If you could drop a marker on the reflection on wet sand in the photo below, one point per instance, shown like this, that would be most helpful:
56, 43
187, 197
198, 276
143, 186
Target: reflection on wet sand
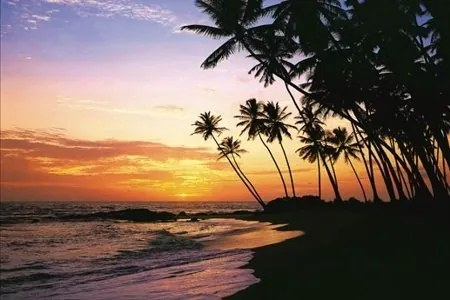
258, 235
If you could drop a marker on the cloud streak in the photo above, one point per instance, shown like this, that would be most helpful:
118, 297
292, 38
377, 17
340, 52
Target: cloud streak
119, 8
31, 14
105, 107
49, 162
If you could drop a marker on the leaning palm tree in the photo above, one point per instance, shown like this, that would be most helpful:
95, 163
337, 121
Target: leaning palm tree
344, 144
231, 19
232, 147
275, 128
250, 116
237, 22
207, 126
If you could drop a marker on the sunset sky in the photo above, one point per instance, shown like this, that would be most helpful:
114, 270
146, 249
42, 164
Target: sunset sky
98, 98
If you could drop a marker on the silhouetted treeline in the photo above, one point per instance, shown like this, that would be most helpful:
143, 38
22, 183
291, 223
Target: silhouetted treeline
382, 65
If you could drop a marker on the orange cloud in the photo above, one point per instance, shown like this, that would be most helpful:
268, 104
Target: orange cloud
49, 165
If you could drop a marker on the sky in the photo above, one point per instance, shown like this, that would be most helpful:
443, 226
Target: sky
98, 98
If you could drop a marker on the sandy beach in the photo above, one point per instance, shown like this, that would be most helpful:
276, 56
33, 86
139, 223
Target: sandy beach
364, 254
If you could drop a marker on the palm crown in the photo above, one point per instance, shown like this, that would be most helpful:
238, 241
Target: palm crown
250, 116
230, 146
274, 118
231, 19
344, 144
208, 125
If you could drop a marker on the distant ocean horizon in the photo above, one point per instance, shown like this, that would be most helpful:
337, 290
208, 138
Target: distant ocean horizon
47, 256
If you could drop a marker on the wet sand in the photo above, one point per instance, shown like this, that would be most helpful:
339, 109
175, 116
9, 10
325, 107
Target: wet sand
258, 235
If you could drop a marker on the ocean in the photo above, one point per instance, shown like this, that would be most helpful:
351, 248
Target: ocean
45, 256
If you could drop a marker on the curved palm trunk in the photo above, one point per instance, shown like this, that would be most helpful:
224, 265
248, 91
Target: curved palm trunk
333, 184
399, 172
293, 100
375, 196
276, 165
439, 190
384, 173
443, 143
359, 180
248, 180
413, 173
394, 175
418, 184
238, 174
289, 168
444, 169
318, 175
334, 171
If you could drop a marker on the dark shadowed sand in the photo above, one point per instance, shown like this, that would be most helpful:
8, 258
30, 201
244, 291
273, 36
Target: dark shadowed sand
354, 254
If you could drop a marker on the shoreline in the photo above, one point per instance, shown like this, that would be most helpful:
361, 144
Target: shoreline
365, 254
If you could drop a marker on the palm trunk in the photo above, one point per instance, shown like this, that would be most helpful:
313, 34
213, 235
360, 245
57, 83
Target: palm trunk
421, 189
334, 171
289, 168
413, 185
375, 196
239, 175
444, 167
382, 167
390, 169
333, 184
318, 175
276, 165
399, 172
419, 179
439, 190
377, 199
359, 181
443, 143
245, 177
293, 100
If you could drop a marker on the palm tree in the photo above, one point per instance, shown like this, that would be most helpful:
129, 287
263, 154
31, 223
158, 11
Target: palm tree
348, 57
233, 20
312, 150
275, 128
250, 116
316, 148
345, 145
232, 147
207, 126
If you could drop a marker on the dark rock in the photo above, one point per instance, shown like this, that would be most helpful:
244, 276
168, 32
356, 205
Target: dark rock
136, 215
194, 219
242, 212
292, 204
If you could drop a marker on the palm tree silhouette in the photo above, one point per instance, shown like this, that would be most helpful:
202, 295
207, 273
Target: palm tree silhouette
233, 19
345, 145
312, 150
317, 148
275, 128
207, 126
353, 67
250, 116
232, 147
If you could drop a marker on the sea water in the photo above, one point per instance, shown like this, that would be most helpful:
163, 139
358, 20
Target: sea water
45, 256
